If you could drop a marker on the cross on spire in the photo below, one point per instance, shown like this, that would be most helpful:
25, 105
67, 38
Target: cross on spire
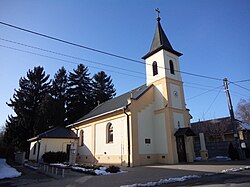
158, 14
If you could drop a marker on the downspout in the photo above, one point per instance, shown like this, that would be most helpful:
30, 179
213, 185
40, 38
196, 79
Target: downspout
128, 134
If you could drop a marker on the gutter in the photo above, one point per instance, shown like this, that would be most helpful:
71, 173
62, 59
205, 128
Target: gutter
128, 133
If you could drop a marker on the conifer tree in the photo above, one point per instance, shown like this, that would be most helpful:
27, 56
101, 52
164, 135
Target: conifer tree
59, 88
79, 101
27, 104
103, 88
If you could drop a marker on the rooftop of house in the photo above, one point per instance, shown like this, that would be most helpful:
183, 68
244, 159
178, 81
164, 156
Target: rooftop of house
219, 125
57, 132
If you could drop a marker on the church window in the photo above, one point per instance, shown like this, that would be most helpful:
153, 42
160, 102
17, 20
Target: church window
171, 64
155, 68
109, 133
81, 142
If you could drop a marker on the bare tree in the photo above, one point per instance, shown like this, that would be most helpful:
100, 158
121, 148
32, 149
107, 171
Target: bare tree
243, 111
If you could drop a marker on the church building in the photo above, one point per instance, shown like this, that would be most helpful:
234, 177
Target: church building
147, 125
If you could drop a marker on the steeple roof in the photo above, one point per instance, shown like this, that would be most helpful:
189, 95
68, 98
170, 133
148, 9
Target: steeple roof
160, 41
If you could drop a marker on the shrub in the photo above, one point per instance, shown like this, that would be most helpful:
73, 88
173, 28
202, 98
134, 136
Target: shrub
232, 152
247, 152
55, 157
113, 169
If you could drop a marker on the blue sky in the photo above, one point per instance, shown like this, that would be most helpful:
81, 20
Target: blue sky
214, 37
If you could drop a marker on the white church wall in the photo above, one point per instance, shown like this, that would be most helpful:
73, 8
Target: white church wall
169, 56
118, 146
159, 99
160, 135
145, 130
87, 148
161, 72
175, 96
178, 120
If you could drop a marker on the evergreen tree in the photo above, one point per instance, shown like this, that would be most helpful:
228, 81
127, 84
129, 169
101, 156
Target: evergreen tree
103, 88
79, 101
27, 104
59, 88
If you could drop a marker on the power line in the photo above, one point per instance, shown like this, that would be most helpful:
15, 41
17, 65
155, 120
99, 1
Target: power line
240, 86
70, 43
239, 94
69, 56
204, 93
247, 80
102, 52
82, 59
213, 101
67, 61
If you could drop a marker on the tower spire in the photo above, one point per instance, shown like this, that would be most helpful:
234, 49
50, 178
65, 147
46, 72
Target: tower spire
160, 40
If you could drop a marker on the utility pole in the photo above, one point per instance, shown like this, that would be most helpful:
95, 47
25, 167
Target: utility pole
235, 130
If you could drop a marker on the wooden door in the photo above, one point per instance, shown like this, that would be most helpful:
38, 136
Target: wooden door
68, 150
181, 150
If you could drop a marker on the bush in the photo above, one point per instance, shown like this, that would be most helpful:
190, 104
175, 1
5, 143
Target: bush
232, 152
55, 157
113, 169
247, 152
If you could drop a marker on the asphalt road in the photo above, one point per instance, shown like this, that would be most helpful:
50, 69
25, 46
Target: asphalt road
239, 178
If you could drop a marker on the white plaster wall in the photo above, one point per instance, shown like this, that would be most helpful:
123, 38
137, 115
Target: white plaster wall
54, 145
152, 126
119, 145
168, 56
160, 134
178, 117
159, 99
145, 130
87, 148
162, 58
158, 57
176, 99
31, 155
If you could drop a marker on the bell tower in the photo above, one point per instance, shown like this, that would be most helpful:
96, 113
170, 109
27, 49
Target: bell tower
161, 60
163, 72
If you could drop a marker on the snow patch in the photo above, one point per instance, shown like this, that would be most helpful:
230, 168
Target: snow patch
164, 181
6, 171
100, 171
232, 170
30, 166
59, 165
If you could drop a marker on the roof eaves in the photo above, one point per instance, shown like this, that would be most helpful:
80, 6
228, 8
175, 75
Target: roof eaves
103, 114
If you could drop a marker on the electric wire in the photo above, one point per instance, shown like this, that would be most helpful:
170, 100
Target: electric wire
213, 101
204, 93
240, 86
247, 80
81, 59
67, 61
77, 58
69, 56
103, 52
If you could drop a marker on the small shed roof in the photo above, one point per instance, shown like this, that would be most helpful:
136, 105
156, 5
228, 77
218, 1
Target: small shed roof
57, 132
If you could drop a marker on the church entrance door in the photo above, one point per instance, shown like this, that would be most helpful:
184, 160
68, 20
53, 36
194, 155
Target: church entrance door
181, 150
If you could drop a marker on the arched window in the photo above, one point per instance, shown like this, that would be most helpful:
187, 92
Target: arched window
171, 65
81, 140
155, 68
109, 133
